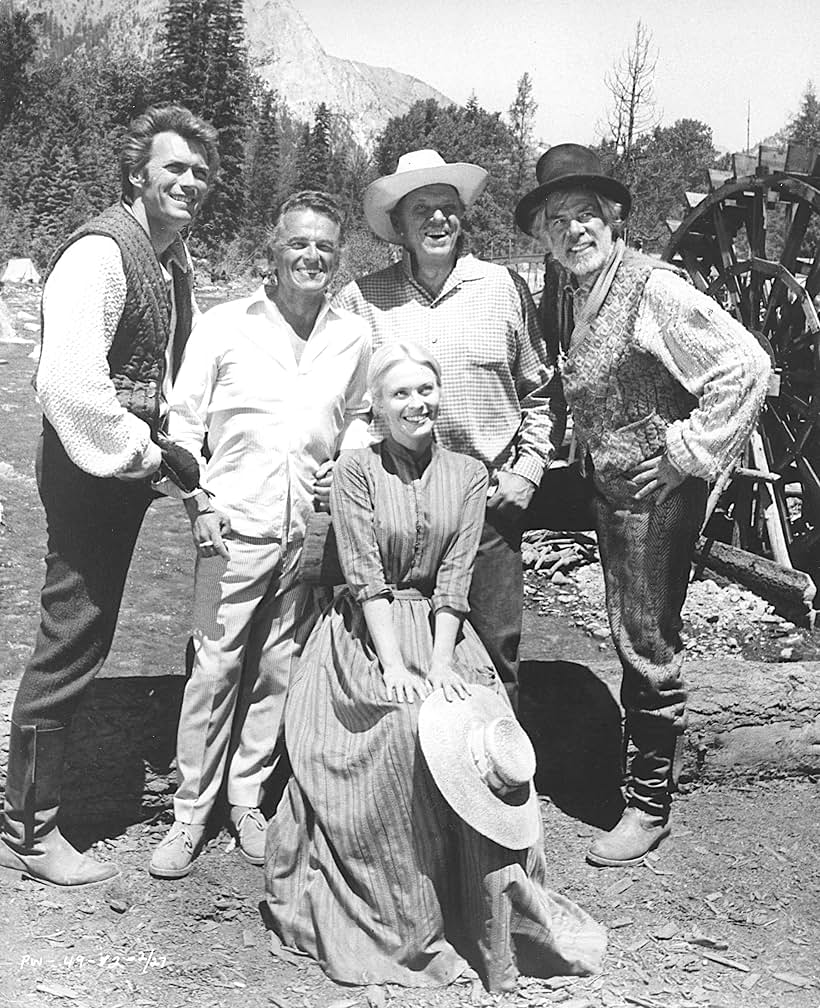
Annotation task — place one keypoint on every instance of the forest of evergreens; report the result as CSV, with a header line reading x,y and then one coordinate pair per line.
x,y
63,109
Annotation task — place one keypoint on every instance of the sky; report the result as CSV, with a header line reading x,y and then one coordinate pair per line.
x,y
713,56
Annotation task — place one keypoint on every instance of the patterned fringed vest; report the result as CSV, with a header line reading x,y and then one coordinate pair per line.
x,y
622,398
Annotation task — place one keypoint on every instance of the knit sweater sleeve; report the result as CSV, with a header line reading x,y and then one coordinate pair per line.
x,y
715,359
83,300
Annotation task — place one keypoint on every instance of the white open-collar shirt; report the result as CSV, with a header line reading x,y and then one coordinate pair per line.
x,y
270,422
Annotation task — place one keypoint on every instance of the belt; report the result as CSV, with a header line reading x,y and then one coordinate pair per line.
x,y
409,593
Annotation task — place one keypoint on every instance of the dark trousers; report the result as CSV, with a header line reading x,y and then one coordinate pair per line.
x,y
497,595
646,553
92,527
562,501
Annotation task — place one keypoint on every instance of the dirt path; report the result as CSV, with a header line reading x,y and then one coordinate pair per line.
x,y
726,914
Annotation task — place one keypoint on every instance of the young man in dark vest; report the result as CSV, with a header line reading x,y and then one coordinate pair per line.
x,y
117,311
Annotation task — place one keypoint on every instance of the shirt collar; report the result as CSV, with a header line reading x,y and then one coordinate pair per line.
x,y
175,253
466,267
259,303
403,454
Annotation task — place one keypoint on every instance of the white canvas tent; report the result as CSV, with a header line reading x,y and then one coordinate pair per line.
x,y
20,271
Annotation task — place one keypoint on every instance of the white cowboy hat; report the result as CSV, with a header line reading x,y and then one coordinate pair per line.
x,y
483,763
414,170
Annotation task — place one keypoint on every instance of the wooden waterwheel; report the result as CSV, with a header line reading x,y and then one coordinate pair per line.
x,y
753,243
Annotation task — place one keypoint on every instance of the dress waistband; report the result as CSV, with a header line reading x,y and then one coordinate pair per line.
x,y
410,593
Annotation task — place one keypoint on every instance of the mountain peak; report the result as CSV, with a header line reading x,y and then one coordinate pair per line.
x,y
282,49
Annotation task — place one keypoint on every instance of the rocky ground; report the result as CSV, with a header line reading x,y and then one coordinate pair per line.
x,y
725,915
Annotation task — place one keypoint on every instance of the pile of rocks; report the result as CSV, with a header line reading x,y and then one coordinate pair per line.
x,y
719,618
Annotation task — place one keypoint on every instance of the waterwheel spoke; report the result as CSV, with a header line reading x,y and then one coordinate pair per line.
x,y
756,231
813,278
801,430
728,261
794,240
693,268
773,294
808,476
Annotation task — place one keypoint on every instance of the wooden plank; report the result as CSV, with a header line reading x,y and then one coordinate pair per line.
x,y
771,513
799,158
771,159
694,199
717,176
672,224
743,164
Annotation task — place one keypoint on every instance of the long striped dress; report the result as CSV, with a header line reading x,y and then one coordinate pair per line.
x,y
367,868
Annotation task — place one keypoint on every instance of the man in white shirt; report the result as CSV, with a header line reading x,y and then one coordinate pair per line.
x,y
276,382
117,311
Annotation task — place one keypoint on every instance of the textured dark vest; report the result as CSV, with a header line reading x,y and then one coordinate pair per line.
x,y
622,398
136,359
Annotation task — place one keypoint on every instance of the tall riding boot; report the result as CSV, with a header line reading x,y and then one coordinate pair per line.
x,y
645,821
30,841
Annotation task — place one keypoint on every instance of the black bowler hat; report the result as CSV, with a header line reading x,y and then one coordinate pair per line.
x,y
569,166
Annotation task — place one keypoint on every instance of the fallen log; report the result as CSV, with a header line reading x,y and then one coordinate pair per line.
x,y
790,591
747,720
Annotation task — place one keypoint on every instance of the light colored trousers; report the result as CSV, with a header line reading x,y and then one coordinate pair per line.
x,y
251,620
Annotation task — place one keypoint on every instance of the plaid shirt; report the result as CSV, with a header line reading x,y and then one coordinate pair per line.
x,y
502,400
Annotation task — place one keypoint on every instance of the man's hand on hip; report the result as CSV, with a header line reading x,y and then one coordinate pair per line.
x,y
144,466
321,486
658,476
513,494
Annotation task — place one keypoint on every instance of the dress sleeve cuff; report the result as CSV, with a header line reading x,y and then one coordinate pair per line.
x,y
456,603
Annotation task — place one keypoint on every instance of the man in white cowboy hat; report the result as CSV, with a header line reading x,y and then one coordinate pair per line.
x,y
664,388
502,401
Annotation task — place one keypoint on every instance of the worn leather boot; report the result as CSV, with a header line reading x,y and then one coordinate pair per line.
x,y
645,821
630,841
30,842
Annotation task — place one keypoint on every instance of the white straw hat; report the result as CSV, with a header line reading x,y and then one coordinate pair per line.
x,y
482,762
414,170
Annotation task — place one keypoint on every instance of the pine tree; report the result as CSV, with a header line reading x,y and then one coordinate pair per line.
x,y
460,134
18,40
318,154
263,168
804,128
203,65
304,167
61,150
522,114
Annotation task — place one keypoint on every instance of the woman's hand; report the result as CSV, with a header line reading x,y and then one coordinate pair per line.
x,y
451,683
403,686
